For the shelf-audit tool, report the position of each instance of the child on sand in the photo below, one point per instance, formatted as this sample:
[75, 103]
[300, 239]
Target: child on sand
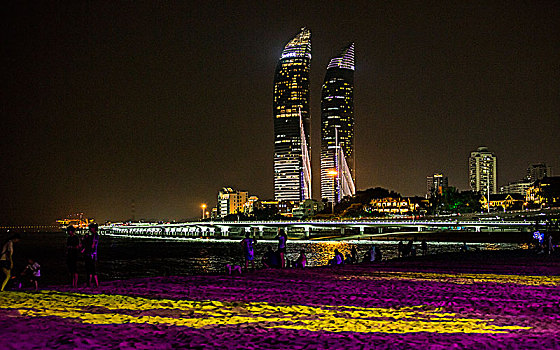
[32, 273]
[270, 259]
[301, 260]
[338, 258]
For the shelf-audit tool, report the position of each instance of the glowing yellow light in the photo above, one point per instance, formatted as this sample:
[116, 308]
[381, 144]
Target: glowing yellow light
[332, 172]
[116, 309]
[459, 278]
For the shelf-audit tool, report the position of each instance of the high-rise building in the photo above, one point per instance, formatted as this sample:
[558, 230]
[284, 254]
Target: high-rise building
[435, 184]
[292, 121]
[538, 172]
[482, 171]
[338, 171]
[231, 201]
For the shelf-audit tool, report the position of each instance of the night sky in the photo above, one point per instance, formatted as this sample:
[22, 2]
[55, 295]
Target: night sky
[163, 104]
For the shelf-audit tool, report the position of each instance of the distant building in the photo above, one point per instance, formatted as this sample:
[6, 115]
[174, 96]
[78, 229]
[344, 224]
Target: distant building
[504, 201]
[337, 128]
[398, 205]
[251, 205]
[517, 187]
[435, 184]
[269, 206]
[230, 201]
[308, 207]
[483, 171]
[285, 207]
[538, 171]
[292, 121]
[544, 193]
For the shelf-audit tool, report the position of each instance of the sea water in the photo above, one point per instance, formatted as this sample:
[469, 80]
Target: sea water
[127, 257]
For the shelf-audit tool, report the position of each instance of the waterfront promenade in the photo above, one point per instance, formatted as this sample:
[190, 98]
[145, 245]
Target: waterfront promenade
[503, 299]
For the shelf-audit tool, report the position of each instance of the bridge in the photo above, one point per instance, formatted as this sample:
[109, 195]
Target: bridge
[307, 228]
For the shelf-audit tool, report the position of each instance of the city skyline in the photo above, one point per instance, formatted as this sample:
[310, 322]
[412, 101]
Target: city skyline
[161, 105]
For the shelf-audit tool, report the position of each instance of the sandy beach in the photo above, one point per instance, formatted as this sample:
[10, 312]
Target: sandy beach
[502, 299]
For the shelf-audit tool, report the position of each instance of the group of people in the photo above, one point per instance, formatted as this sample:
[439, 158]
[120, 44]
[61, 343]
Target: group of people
[31, 274]
[86, 247]
[410, 249]
[277, 259]
[271, 258]
[373, 254]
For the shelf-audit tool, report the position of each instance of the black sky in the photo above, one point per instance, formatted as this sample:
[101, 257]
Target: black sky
[105, 103]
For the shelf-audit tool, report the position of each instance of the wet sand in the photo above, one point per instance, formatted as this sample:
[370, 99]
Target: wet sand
[502, 299]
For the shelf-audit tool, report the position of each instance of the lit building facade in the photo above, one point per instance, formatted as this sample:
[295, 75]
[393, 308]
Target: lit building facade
[544, 193]
[517, 187]
[338, 171]
[292, 121]
[231, 201]
[504, 201]
[435, 184]
[398, 206]
[483, 171]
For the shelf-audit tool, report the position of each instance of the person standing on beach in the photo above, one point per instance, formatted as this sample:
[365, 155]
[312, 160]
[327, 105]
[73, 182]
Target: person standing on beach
[72, 250]
[354, 253]
[248, 251]
[424, 247]
[400, 249]
[282, 238]
[90, 254]
[6, 258]
[372, 253]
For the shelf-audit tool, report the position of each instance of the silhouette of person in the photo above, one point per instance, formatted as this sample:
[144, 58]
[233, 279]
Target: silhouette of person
[90, 243]
[301, 260]
[72, 249]
[282, 238]
[248, 250]
[6, 258]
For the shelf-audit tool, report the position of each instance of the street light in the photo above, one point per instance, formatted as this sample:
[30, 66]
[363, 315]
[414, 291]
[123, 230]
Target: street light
[334, 174]
[203, 206]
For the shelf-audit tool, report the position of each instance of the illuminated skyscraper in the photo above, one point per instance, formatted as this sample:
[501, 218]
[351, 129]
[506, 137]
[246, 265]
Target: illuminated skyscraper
[337, 128]
[292, 163]
[482, 171]
[436, 183]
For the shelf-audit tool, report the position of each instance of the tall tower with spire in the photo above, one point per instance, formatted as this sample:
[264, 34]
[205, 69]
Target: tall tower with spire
[292, 121]
[337, 128]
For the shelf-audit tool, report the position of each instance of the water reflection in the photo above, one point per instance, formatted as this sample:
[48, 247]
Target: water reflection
[121, 257]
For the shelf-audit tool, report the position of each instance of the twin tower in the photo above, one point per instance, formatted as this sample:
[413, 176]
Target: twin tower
[292, 124]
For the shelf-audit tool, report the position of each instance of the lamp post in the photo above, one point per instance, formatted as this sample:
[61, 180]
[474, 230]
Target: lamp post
[334, 174]
[488, 186]
[203, 207]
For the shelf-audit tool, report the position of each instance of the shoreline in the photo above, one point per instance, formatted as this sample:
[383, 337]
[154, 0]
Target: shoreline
[492, 299]
[525, 260]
